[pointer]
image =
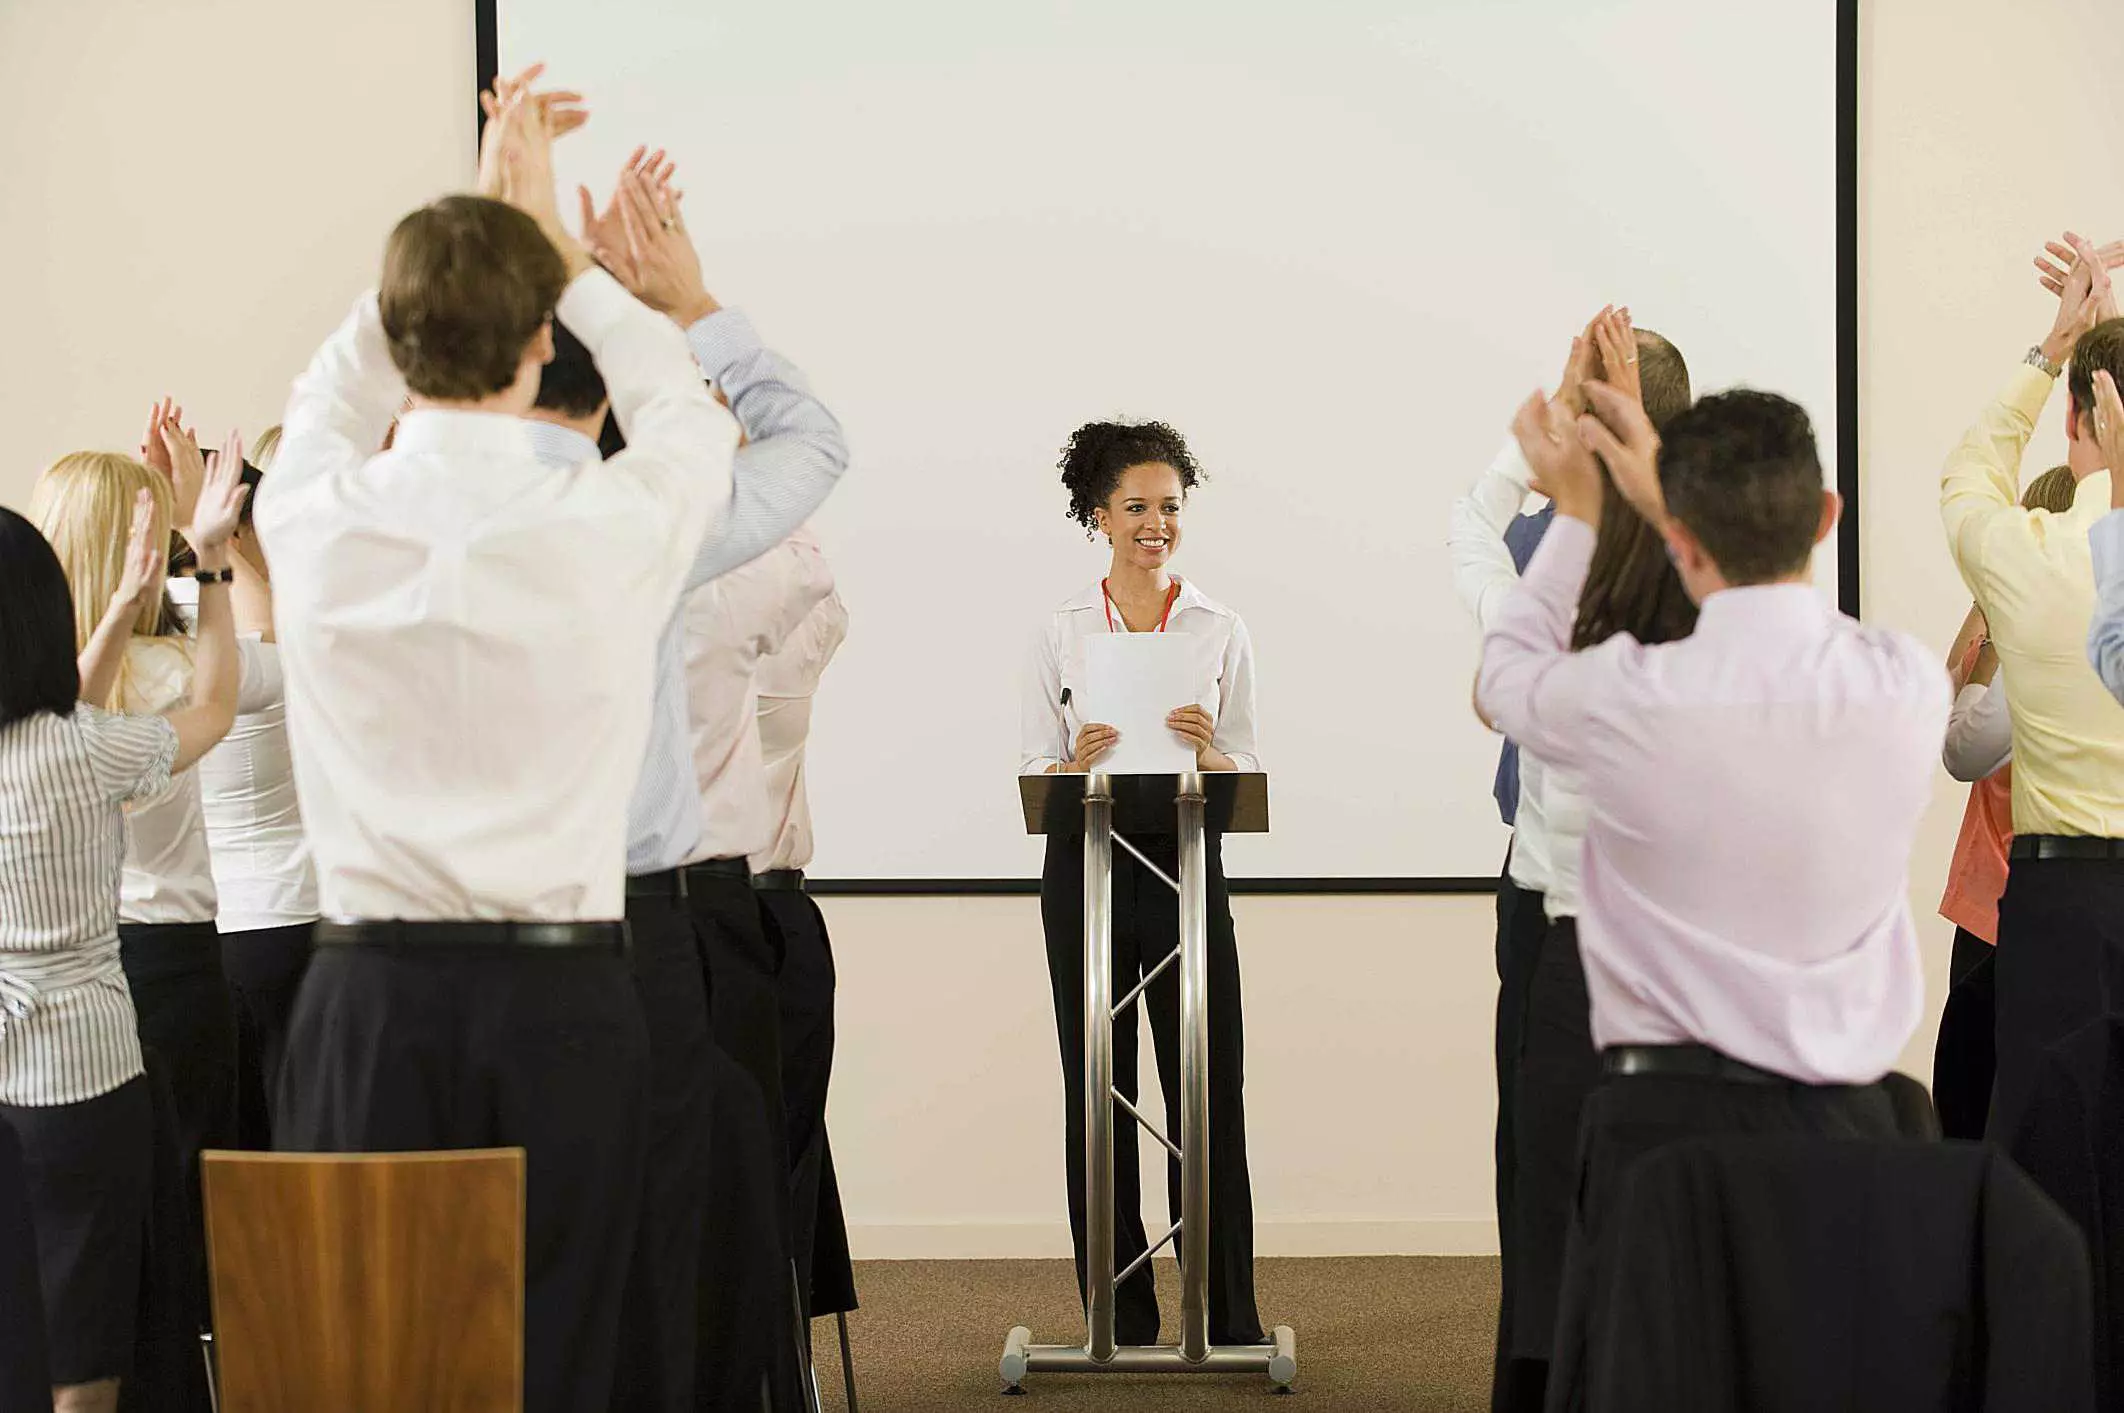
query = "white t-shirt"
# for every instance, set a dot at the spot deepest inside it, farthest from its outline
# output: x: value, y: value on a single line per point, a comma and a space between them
x: 169, y: 870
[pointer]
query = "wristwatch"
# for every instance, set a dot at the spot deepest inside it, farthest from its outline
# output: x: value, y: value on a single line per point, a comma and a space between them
x: 2035, y: 359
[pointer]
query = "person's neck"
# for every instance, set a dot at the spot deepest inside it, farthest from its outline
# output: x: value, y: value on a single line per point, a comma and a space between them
x: 583, y: 426
x: 506, y: 403
x: 1133, y: 583
x: 2083, y: 459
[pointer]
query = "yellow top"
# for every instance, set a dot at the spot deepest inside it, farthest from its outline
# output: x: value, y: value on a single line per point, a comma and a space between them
x: 2032, y: 576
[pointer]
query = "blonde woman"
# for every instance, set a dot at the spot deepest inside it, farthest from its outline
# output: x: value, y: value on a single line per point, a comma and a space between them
x: 263, y: 878
x: 171, y: 952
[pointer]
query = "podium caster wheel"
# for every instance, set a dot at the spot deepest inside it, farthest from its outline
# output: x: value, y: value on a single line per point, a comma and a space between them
x: 1013, y: 1390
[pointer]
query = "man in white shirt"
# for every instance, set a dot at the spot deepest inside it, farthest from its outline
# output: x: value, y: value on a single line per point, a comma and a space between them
x: 788, y: 678
x: 1755, y: 789
x: 468, y: 637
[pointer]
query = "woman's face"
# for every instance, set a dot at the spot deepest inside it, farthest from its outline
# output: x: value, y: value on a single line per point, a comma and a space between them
x: 1142, y: 516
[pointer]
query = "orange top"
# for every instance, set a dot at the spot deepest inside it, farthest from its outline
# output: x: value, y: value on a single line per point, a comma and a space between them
x: 1977, y: 876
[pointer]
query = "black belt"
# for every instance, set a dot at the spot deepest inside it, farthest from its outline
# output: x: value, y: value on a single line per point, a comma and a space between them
x: 720, y: 868
x: 588, y: 936
x: 1690, y: 1061
x: 2040, y: 847
x: 667, y: 883
x: 779, y: 880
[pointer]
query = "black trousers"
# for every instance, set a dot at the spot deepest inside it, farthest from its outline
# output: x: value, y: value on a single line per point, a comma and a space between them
x: 187, y: 1017
x: 265, y: 967
x: 748, y: 1282
x: 659, y: 1340
x: 423, y: 1047
x: 1521, y: 925
x: 1628, y: 1117
x: 87, y: 1169
x: 1146, y: 926
x: 1559, y: 1069
x: 1964, y: 1058
x: 806, y: 987
x: 2060, y: 966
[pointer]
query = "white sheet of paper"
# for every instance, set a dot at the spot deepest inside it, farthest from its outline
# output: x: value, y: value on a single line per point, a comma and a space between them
x: 1132, y: 682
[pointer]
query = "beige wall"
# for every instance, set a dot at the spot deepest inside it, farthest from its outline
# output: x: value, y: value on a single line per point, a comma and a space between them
x: 195, y: 191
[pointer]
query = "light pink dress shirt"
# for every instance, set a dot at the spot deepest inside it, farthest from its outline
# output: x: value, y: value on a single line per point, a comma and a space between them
x: 1754, y: 789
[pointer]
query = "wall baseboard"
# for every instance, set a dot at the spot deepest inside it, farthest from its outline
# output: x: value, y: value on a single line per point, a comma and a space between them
x: 988, y: 1241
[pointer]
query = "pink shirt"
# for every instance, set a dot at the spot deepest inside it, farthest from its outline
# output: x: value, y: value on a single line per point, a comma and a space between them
x: 1754, y: 791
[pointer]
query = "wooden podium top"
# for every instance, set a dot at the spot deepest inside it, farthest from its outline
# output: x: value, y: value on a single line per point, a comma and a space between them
x: 1233, y: 802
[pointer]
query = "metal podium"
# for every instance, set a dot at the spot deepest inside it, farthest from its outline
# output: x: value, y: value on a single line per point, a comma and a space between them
x: 1105, y: 809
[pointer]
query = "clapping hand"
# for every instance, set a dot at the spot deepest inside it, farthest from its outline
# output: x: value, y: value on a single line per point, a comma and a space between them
x: 2054, y: 271
x: 1618, y: 430
x: 661, y: 268
x: 2085, y: 298
x: 140, y: 576
x: 213, y: 520
x: 179, y: 460
x: 1616, y: 343
x: 604, y: 235
x: 1548, y: 438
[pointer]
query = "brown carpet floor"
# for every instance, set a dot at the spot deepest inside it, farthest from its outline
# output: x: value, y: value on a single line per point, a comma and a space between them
x: 1386, y: 1334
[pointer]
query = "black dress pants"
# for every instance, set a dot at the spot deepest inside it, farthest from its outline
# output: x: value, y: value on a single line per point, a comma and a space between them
x: 2060, y: 966
x: 187, y: 1016
x: 1628, y: 1117
x: 1559, y: 1069
x: 1964, y: 1057
x: 423, y: 1047
x: 806, y: 987
x: 264, y: 966
x: 1521, y: 925
x: 660, y: 1327
x: 1146, y: 926
x: 748, y: 1282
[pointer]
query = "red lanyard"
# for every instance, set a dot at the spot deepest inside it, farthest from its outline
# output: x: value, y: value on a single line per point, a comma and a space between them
x: 1163, y: 619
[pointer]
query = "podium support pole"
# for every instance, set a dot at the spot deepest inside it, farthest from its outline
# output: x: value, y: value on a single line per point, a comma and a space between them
x: 1186, y: 808
x: 1099, y: 1067
x: 1194, y: 1074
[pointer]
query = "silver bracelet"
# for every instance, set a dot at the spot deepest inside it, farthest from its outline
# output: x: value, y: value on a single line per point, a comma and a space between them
x: 2036, y: 360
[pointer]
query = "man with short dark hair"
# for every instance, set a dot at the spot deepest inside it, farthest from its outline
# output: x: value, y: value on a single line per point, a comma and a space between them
x: 468, y: 635
x: 1755, y: 788
x: 2060, y: 961
x: 709, y: 1304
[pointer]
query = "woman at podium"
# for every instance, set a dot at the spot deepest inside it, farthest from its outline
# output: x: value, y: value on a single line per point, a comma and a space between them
x: 1129, y: 483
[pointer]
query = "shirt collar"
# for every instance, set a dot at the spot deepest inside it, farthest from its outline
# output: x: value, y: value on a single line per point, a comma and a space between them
x: 560, y: 446
x: 2090, y: 499
x: 447, y: 431
x: 1755, y: 609
x: 1095, y: 597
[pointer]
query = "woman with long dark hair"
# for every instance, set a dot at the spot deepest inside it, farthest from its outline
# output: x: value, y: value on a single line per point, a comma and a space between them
x: 1631, y: 588
x: 1129, y: 483
x: 71, y: 1083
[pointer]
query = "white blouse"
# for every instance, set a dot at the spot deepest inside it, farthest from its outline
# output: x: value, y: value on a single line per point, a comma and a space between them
x: 169, y: 869
x: 1050, y: 724
x: 261, y: 854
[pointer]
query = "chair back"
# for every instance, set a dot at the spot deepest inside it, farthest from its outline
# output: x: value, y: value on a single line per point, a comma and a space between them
x: 344, y: 1283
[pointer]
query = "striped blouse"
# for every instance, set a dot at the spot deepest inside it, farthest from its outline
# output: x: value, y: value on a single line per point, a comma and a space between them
x: 67, y: 1028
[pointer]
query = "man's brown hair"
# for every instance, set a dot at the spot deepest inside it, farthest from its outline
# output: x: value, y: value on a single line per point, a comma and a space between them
x: 2100, y: 347
x: 467, y: 283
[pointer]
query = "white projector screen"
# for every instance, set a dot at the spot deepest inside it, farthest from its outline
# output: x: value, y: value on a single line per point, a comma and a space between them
x: 1334, y: 244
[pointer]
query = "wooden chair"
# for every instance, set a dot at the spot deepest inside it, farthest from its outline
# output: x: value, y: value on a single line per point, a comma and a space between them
x: 352, y: 1283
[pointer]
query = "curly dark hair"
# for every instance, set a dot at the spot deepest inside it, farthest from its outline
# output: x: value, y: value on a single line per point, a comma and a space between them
x: 1098, y: 452
x: 1741, y: 471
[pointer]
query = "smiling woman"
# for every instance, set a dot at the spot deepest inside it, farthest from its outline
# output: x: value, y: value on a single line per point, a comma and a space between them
x: 1129, y: 482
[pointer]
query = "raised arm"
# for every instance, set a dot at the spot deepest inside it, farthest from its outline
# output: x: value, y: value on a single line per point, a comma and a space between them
x: 1483, y: 571
x: 2105, y: 634
x: 216, y: 669
x: 141, y: 581
x: 793, y: 452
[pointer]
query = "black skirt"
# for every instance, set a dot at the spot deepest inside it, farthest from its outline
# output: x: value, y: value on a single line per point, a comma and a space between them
x: 87, y: 1168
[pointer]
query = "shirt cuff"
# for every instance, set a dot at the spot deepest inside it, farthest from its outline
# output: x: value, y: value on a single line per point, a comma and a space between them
x: 1564, y: 555
x: 591, y: 305
x: 2028, y: 391
x: 720, y: 340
